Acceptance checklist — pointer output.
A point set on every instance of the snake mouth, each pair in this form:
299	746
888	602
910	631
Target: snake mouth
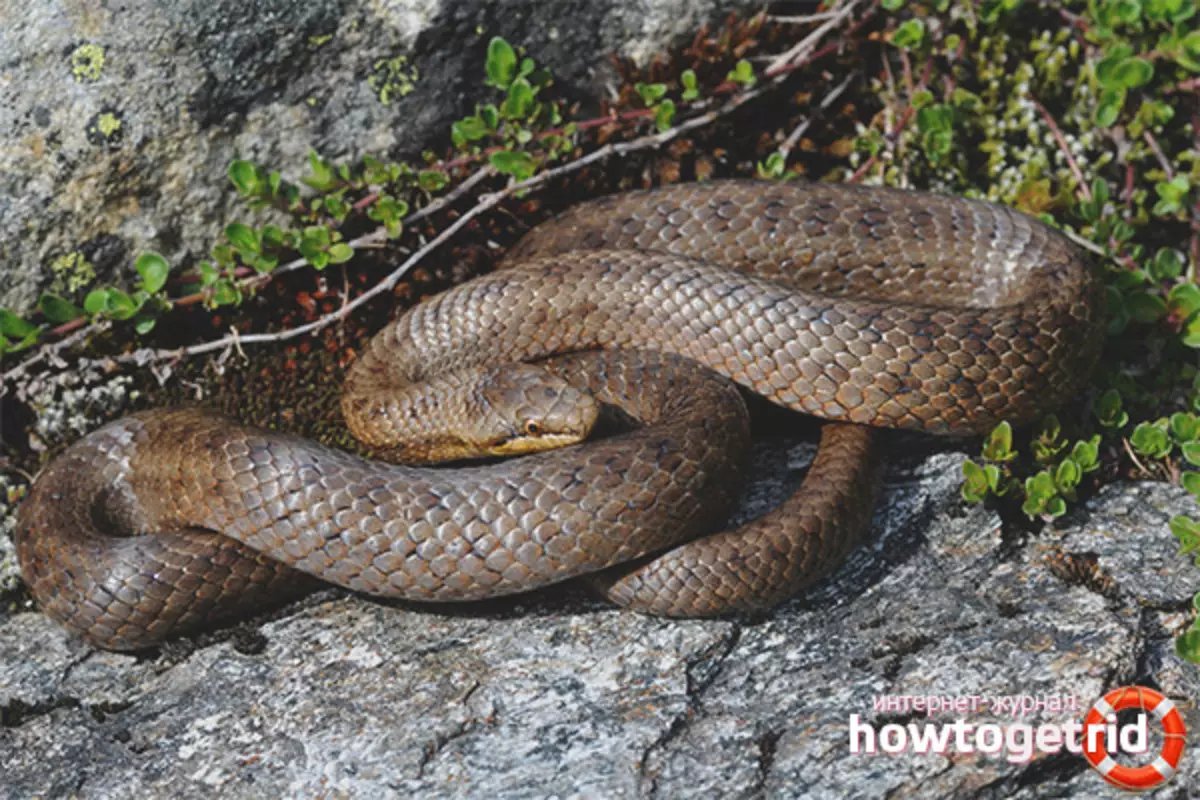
521	445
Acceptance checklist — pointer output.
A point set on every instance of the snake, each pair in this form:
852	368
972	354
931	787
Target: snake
868	307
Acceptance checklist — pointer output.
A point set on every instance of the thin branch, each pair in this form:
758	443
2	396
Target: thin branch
1086	244
794	53
1084	189
805	18
1158	153
50	352
1189	85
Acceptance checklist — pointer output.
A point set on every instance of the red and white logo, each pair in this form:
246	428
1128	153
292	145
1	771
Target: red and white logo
1100	725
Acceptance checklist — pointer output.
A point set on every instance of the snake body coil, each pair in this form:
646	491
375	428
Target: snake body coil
868	306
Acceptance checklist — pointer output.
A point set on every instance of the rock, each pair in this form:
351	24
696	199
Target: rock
558	694
117	123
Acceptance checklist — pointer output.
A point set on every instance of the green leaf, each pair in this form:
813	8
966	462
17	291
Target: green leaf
518	164
921	98
337	207
1109	107
519	100
318	235
432	180
1185	427
743	73
144	323
893	5
938	117
1086	454
1109	411
1040	492
208	274
1191	333
664	115
120	305
340	253
273	237
909	34
57	309
1146	307
501	63
1187	531
1133	73
1055	507
1167	264
991	10
975	485
995	482
246	177
1151	440
1187	646
96	301
13	326
469	129
314	252
650	93
322	177
1191	452
773	167
243	238
1067	476
1191	481
490	116
1048	443
226	293
264	263
998	446
687	79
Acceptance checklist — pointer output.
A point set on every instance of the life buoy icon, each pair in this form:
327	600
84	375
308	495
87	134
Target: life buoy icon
1149	775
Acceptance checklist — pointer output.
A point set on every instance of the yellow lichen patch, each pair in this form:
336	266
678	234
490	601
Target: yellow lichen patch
72	272
393	77
87	62
108	124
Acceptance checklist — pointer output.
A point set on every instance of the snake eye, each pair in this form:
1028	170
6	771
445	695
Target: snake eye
532	428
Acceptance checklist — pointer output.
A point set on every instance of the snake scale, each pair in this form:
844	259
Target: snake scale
870	306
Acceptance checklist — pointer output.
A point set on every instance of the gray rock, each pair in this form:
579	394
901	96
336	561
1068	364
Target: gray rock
559	695
117	122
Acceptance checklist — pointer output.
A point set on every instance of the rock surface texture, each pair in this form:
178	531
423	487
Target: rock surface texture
559	695
117	121
116	125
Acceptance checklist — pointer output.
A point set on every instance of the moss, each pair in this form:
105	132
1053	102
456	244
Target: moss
75	405
393	77
106	128
10	496
108	124
71	272
87	63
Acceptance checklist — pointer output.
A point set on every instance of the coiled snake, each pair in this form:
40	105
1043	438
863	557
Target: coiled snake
859	305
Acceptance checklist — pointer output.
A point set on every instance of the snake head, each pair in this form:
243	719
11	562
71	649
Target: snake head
474	412
525	409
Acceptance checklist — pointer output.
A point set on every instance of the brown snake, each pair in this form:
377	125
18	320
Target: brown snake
861	305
